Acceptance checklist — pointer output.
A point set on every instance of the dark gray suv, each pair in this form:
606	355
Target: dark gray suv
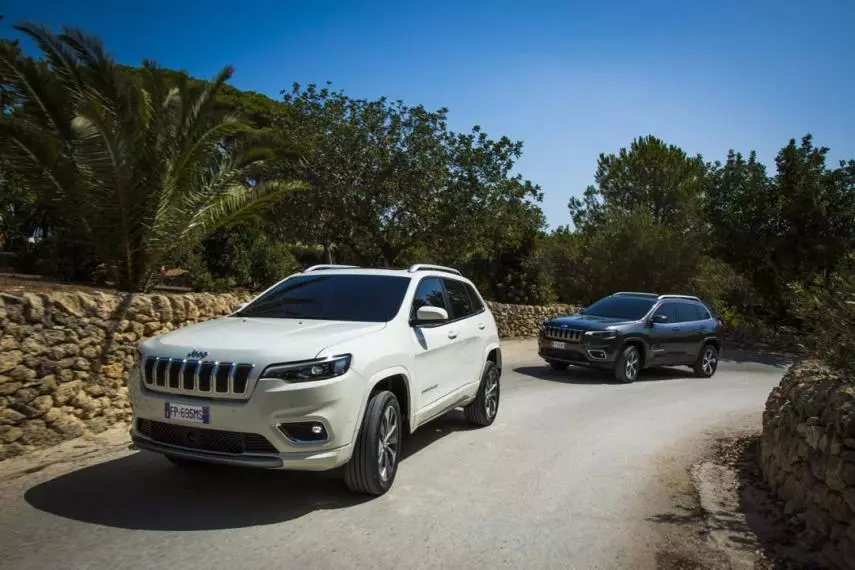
627	332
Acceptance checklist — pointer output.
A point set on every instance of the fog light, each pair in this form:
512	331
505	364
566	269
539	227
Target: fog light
304	432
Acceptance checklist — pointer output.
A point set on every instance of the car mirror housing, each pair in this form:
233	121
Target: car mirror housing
429	315
659	319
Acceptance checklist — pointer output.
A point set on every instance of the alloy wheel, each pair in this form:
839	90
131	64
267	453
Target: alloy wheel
709	361
631	365
387	448
491	394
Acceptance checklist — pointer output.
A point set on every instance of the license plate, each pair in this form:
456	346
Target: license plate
185	413
558	345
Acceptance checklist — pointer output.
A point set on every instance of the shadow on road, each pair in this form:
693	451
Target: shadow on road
742	356
580	375
145	491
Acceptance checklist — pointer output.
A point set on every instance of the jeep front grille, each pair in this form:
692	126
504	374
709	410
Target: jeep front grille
558	333
197	378
203	439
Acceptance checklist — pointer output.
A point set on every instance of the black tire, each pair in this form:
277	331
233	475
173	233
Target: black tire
485	407
624	372
556	365
185	463
363	473
707	362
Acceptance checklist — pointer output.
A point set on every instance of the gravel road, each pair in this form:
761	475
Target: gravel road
576	472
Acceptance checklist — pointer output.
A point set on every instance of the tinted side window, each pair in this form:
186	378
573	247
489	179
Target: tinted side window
458	298
429	292
686	313
669	310
476	300
702	313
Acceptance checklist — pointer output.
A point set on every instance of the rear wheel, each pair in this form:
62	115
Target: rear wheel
374	464
707	362
556	365
484	408
628	365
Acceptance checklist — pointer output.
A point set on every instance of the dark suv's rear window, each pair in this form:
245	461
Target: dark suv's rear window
368	298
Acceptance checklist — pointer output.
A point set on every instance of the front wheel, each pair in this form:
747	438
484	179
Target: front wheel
628	365
374	464
484	408
556	365
707	363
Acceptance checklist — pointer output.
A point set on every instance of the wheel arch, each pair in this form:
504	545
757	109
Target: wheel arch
397	381
642	345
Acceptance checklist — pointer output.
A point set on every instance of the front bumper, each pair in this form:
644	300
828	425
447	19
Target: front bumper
596	354
335	403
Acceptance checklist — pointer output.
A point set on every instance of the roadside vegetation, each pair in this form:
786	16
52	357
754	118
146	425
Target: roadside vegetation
112	174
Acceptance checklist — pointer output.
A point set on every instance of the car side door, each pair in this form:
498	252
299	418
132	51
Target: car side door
435	345
664	336
469	335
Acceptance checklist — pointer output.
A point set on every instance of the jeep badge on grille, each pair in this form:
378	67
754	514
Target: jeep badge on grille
197	354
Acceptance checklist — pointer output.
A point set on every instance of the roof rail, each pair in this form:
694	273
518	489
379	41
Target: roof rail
636	293
328	266
687	297
428	267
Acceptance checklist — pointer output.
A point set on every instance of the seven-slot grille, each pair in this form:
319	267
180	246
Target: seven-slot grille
558	333
218	441
196	377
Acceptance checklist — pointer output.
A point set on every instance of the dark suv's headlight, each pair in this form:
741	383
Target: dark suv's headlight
310	370
600	335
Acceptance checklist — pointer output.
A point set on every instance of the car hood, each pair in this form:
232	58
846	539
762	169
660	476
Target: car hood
588	322
255	340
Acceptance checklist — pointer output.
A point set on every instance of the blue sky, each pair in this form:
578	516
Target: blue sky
570	79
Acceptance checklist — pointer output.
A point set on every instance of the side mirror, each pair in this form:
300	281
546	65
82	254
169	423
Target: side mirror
659	319
428	314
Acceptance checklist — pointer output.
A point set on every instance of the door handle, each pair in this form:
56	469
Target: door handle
452	335
482	326
676	329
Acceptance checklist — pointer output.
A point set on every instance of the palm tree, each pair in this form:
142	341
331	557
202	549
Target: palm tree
136	165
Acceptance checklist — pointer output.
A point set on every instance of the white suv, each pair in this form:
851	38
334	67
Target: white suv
328	367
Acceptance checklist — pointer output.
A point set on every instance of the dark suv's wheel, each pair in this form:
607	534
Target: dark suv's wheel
374	464
628	365
556	365
707	362
484	408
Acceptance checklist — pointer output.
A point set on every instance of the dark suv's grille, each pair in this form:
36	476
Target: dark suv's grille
204	439
558	333
195	377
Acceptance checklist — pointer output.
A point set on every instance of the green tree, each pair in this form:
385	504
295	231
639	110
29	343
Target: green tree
650	177
136	166
789	228
389	180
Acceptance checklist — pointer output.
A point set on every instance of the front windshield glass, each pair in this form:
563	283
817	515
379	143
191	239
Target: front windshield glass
367	298
621	307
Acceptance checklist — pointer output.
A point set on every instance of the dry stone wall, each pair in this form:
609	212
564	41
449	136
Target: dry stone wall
808	456
64	357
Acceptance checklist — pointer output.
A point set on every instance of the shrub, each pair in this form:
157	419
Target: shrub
826	308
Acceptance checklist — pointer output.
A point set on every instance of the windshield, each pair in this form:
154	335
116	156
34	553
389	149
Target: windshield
367	298
629	308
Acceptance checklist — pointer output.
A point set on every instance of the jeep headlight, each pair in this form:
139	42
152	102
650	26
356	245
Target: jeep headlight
600	335
309	370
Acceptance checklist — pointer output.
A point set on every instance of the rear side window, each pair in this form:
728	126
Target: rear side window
702	313
458	298
686	313
429	293
475	298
